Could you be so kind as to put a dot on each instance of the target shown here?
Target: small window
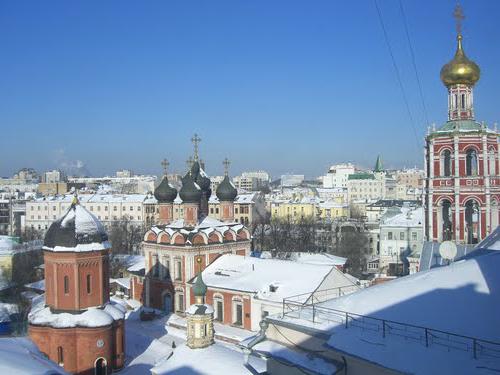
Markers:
(66, 284)
(89, 281)
(60, 356)
(389, 235)
(402, 235)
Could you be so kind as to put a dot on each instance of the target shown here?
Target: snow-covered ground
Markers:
(154, 344)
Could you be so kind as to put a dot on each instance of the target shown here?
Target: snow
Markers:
(85, 224)
(318, 258)
(309, 362)
(407, 219)
(122, 281)
(214, 360)
(257, 275)
(204, 309)
(37, 285)
(93, 317)
(20, 356)
(461, 299)
(139, 265)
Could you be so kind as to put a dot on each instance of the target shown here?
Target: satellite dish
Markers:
(448, 250)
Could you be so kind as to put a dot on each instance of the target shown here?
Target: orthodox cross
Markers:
(189, 162)
(458, 14)
(196, 140)
(226, 164)
(165, 164)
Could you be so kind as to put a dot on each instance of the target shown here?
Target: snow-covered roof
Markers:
(139, 265)
(96, 198)
(92, 317)
(196, 309)
(408, 218)
(20, 356)
(9, 245)
(77, 231)
(122, 281)
(318, 258)
(269, 279)
(37, 285)
(460, 299)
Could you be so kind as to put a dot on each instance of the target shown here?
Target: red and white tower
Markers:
(461, 162)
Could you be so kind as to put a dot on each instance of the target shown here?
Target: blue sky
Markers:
(287, 86)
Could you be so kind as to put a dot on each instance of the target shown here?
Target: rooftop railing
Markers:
(314, 312)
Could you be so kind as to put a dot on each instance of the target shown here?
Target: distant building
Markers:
(337, 175)
(124, 173)
(288, 180)
(53, 177)
(366, 186)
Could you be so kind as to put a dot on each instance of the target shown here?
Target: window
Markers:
(180, 302)
(414, 236)
(471, 163)
(446, 163)
(155, 266)
(402, 235)
(389, 235)
(178, 270)
(236, 210)
(237, 313)
(105, 208)
(114, 208)
(66, 284)
(491, 162)
(219, 308)
(216, 210)
(60, 357)
(89, 279)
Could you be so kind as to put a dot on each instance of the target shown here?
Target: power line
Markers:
(398, 75)
(413, 60)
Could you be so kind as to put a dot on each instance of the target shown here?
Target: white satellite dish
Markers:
(448, 250)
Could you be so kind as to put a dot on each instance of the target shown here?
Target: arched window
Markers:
(219, 307)
(66, 284)
(471, 163)
(446, 163)
(491, 162)
(494, 215)
(60, 357)
(447, 226)
(89, 286)
(472, 222)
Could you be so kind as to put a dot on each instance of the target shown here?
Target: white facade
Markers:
(366, 186)
(52, 177)
(337, 175)
(292, 179)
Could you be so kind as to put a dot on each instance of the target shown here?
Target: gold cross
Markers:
(458, 14)
(165, 164)
(196, 140)
(226, 164)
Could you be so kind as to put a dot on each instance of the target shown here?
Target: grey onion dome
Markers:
(226, 190)
(164, 192)
(190, 191)
(75, 231)
(200, 177)
(199, 287)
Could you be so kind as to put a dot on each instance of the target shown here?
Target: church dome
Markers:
(226, 190)
(164, 192)
(200, 177)
(76, 231)
(190, 191)
(199, 287)
(460, 70)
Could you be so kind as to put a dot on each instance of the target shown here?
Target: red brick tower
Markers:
(76, 326)
(461, 162)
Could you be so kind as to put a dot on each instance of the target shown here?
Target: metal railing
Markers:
(313, 312)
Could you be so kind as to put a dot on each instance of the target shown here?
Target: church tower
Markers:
(76, 326)
(462, 185)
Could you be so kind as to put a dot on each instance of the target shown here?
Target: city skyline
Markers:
(254, 80)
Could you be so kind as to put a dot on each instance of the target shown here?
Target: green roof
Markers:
(361, 176)
(378, 165)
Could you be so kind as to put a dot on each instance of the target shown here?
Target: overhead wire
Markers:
(414, 63)
(398, 75)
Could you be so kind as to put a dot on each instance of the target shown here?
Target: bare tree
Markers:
(353, 245)
(125, 236)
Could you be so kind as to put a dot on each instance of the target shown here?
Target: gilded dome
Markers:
(460, 70)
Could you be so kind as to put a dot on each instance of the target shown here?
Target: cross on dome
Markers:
(226, 164)
(165, 164)
(458, 14)
(190, 162)
(196, 140)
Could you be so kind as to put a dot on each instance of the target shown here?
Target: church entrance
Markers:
(167, 303)
(101, 367)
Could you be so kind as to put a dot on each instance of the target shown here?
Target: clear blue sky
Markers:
(287, 86)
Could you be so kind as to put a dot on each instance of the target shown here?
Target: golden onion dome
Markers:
(460, 70)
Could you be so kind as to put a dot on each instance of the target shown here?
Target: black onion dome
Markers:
(190, 191)
(76, 230)
(164, 192)
(226, 190)
(200, 177)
